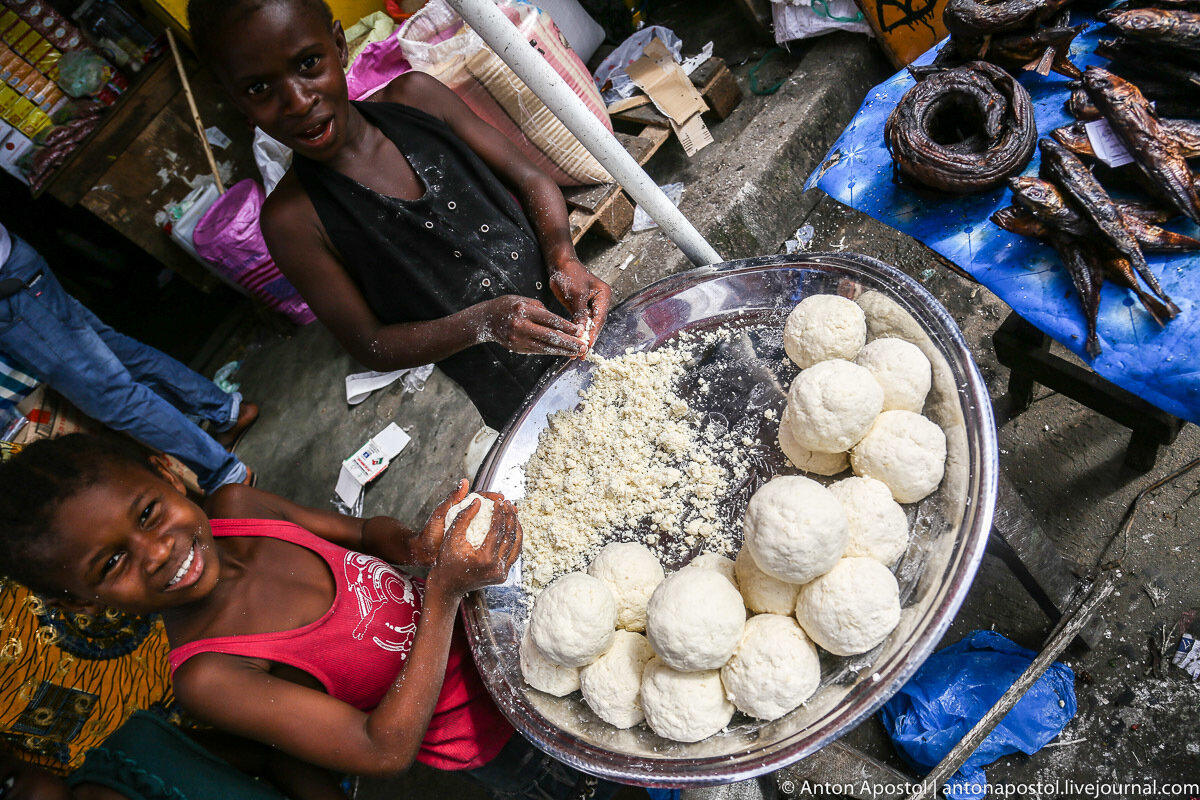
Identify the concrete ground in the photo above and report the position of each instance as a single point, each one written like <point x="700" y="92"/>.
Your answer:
<point x="745" y="195"/>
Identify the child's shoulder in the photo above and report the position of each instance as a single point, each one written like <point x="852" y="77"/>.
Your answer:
<point x="418" y="90"/>
<point x="288" y="217"/>
<point x="236" y="501"/>
<point x="286" y="200"/>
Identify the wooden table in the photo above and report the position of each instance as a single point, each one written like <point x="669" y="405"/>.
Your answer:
<point x="142" y="155"/>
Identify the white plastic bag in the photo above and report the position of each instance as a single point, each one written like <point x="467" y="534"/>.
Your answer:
<point x="273" y="159"/>
<point x="803" y="19"/>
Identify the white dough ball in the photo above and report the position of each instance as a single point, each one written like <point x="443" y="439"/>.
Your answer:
<point x="824" y="326"/>
<point x="805" y="459"/>
<point x="574" y="619"/>
<point x="716" y="563"/>
<point x="632" y="573"/>
<point x="851" y="608"/>
<point x="904" y="450"/>
<point x="901" y="369"/>
<point x="794" y="528"/>
<point x="613" y="682"/>
<point x="774" y="669"/>
<point x="695" y="619"/>
<point x="543" y="674"/>
<point x="480" y="524"/>
<point x="684" y="706"/>
<point x="762" y="593"/>
<point x="831" y="405"/>
<point x="878" y="527"/>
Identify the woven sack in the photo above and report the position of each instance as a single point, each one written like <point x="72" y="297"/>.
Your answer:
<point x="435" y="40"/>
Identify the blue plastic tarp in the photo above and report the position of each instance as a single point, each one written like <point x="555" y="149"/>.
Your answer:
<point x="1159" y="364"/>
<point x="952" y="691"/>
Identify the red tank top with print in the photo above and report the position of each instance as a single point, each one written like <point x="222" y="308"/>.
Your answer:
<point x="358" y="647"/>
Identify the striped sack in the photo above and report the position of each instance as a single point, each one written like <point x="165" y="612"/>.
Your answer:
<point x="15" y="385"/>
<point x="435" y="40"/>
<point x="229" y="237"/>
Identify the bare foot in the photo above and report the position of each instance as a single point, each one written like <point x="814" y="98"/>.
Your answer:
<point x="247" y="414"/>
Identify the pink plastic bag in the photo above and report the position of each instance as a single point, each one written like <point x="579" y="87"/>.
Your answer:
<point x="375" y="67"/>
<point x="228" y="236"/>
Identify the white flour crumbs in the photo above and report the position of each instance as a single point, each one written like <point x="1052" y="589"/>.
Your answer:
<point x="631" y="462"/>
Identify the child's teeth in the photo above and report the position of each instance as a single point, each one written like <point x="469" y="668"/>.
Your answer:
<point x="185" y="566"/>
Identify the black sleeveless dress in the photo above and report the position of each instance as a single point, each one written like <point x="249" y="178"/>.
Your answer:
<point x="466" y="240"/>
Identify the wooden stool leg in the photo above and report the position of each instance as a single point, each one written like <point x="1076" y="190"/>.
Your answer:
<point x="1014" y="341"/>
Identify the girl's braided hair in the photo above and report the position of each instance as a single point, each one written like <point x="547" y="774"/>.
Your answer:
<point x="35" y="482"/>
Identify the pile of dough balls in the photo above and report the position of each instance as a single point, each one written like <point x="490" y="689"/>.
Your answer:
<point x="857" y="403"/>
<point x="683" y="652"/>
<point x="699" y="660"/>
<point x="823" y="555"/>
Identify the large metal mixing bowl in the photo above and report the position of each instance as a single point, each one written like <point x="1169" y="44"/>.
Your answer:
<point x="748" y="374"/>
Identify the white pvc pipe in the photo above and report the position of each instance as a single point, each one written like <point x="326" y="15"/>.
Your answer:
<point x="502" y="36"/>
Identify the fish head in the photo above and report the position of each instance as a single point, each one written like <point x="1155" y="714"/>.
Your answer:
<point x="1051" y="148"/>
<point x="1097" y="79"/>
<point x="1138" y="19"/>
<point x="1036" y="193"/>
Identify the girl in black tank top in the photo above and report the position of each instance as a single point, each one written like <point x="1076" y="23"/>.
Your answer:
<point x="464" y="241"/>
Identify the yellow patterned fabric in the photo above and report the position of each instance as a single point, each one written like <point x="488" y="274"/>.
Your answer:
<point x="68" y="681"/>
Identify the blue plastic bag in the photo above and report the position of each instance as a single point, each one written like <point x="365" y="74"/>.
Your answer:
<point x="952" y="691"/>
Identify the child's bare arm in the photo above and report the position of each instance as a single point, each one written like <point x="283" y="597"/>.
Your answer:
<point x="384" y="537"/>
<point x="241" y="696"/>
<point x="303" y="253"/>
<point x="583" y="294"/>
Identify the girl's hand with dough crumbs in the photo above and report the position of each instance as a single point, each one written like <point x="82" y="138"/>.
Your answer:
<point x="462" y="568"/>
<point x="524" y="325"/>
<point x="428" y="543"/>
<point x="583" y="294"/>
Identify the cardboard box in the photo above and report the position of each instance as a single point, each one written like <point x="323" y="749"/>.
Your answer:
<point x="669" y="88"/>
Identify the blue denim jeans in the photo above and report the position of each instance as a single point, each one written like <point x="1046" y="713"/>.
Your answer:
<point x="115" y="380"/>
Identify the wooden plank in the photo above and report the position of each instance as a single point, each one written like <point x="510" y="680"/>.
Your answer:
<point x="644" y="115"/>
<point x="588" y="198"/>
<point x="721" y="92"/>
<point x="616" y="219"/>
<point x="120" y="126"/>
<point x="606" y="207"/>
<point x="703" y="75"/>
<point x="582" y="221"/>
<point x="657" y="138"/>
<point x="628" y="103"/>
<point x="640" y="147"/>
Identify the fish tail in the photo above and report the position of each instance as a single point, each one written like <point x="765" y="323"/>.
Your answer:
<point x="1159" y="312"/>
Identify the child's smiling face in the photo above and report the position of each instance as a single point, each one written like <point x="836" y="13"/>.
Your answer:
<point x="282" y="66"/>
<point x="135" y="542"/>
